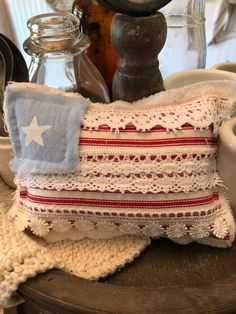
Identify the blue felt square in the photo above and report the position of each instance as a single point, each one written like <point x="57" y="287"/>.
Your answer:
<point x="44" y="128"/>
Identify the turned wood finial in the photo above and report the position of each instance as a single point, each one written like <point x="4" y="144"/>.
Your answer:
<point x="138" y="33"/>
<point x="137" y="41"/>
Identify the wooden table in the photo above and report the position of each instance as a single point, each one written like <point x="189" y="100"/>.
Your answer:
<point x="166" y="278"/>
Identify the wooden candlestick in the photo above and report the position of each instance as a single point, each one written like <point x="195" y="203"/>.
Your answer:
<point x="138" y="41"/>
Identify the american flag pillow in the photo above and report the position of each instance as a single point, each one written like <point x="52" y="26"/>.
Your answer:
<point x="145" y="168"/>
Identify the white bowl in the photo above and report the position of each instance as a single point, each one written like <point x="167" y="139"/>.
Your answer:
<point x="6" y="154"/>
<point x="226" y="161"/>
<point x="225" y="66"/>
<point x="188" y="77"/>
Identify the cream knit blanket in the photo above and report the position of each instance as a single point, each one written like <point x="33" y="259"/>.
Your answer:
<point x="23" y="256"/>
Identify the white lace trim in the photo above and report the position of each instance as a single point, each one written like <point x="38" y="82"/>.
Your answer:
<point x="136" y="184"/>
<point x="199" y="113"/>
<point x="170" y="109"/>
<point x="216" y="226"/>
<point x="171" y="162"/>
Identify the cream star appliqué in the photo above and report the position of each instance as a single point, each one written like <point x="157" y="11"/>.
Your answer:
<point x="34" y="132"/>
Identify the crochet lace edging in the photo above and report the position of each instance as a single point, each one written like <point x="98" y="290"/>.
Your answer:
<point x="215" y="224"/>
<point x="169" y="162"/>
<point x="200" y="114"/>
<point x="143" y="183"/>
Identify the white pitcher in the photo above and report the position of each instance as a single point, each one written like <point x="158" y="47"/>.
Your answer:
<point x="188" y="77"/>
<point x="226" y="160"/>
<point x="227" y="144"/>
<point x="6" y="155"/>
<point x="226" y="66"/>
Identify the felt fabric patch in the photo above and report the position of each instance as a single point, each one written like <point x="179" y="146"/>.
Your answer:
<point x="44" y="129"/>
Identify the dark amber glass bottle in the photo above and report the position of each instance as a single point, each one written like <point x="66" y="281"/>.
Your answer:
<point x="96" y="23"/>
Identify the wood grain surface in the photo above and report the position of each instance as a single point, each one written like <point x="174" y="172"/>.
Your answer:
<point x="166" y="278"/>
<point x="137" y="41"/>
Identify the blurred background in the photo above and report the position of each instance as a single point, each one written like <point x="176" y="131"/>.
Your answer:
<point x="220" y="24"/>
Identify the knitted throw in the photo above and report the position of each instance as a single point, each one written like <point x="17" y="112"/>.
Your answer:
<point x="23" y="256"/>
<point x="143" y="169"/>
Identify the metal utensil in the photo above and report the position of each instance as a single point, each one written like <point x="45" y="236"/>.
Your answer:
<point x="6" y="72"/>
<point x="12" y="68"/>
<point x="2" y="87"/>
<point x="20" y="70"/>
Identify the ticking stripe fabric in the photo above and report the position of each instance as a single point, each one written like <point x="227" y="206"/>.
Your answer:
<point x="143" y="169"/>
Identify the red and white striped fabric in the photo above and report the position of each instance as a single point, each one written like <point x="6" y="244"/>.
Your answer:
<point x="149" y="168"/>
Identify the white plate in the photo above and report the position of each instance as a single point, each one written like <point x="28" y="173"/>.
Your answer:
<point x="188" y="77"/>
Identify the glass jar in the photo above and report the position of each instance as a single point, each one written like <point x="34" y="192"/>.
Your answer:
<point x="59" y="58"/>
<point x="185" y="46"/>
